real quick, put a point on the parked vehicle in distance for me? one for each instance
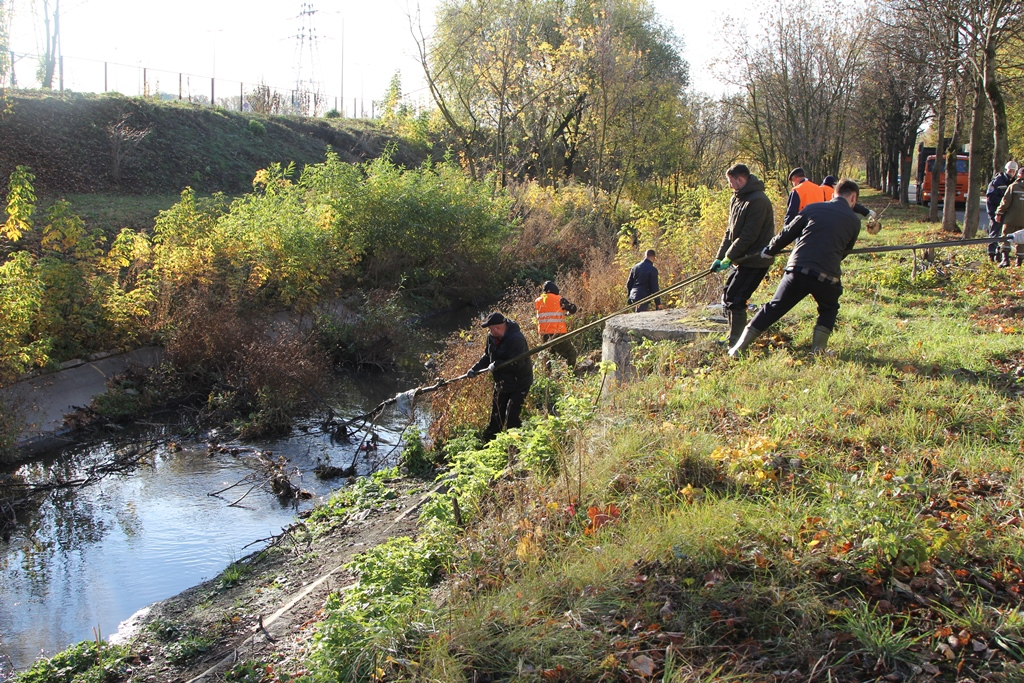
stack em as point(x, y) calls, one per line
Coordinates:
point(924, 195)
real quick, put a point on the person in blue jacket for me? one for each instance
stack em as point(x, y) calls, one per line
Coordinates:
point(994, 195)
point(643, 282)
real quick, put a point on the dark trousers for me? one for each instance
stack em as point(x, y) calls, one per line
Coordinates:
point(505, 409)
point(740, 286)
point(1007, 230)
point(995, 229)
point(565, 349)
point(792, 290)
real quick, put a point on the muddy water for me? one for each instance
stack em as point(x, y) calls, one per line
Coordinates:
point(90, 558)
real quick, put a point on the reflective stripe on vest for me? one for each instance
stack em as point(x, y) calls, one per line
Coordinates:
point(809, 193)
point(550, 316)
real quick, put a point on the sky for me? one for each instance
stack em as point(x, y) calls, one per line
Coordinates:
point(351, 48)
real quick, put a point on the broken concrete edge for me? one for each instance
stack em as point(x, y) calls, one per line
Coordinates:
point(667, 324)
point(43, 399)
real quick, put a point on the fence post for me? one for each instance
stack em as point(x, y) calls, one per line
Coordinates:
point(61, 62)
point(145, 83)
point(179, 86)
point(104, 77)
point(355, 112)
point(241, 97)
point(213, 102)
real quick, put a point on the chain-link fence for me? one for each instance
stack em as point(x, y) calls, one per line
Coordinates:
point(94, 76)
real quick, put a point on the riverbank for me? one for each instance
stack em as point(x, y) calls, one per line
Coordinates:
point(264, 608)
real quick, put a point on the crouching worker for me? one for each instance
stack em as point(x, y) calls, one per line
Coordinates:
point(551, 310)
point(505, 341)
point(824, 232)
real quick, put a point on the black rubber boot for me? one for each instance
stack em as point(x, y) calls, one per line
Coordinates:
point(737, 321)
point(1004, 259)
point(1020, 260)
point(745, 340)
point(820, 340)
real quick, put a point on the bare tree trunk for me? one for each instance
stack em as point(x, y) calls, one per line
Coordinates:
point(972, 214)
point(949, 199)
point(1000, 128)
point(940, 128)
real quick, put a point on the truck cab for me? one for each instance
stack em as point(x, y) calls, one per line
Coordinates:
point(924, 194)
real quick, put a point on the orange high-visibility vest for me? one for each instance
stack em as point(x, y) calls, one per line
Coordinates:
point(550, 316)
point(809, 193)
point(829, 192)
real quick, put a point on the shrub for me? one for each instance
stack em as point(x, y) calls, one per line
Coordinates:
point(257, 128)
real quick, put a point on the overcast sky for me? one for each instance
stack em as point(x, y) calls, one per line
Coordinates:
point(260, 41)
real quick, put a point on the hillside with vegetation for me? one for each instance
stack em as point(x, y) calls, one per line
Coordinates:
point(89, 144)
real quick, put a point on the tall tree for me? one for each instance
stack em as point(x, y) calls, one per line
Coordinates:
point(532, 87)
point(798, 77)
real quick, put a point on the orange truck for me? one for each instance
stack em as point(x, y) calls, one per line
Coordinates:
point(924, 185)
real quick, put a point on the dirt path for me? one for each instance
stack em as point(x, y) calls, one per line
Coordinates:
point(269, 614)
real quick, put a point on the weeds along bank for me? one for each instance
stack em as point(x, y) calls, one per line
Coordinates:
point(841, 518)
point(331, 245)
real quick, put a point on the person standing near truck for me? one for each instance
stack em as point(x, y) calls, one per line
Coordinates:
point(1011, 214)
point(993, 196)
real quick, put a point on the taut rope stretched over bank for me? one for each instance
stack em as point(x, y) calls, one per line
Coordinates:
point(689, 280)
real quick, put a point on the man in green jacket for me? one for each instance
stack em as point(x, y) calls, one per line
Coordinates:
point(751, 227)
point(1011, 214)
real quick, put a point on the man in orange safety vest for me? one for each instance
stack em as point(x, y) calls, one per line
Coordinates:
point(551, 311)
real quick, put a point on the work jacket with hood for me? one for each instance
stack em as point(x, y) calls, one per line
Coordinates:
point(515, 377)
point(751, 226)
point(1011, 208)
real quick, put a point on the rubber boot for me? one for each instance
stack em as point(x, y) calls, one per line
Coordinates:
point(737, 321)
point(1020, 260)
point(1004, 258)
point(820, 340)
point(745, 340)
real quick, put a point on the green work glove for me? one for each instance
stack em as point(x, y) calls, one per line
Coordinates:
point(716, 265)
point(726, 263)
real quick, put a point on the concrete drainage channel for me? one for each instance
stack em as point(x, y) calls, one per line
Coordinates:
point(42, 401)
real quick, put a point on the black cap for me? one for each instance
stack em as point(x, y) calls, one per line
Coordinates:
point(494, 319)
point(829, 180)
point(798, 172)
point(551, 287)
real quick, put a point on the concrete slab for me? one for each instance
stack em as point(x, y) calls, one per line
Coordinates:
point(621, 332)
point(41, 402)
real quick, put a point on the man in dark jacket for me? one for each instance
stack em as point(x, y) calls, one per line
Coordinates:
point(643, 281)
point(751, 226)
point(824, 233)
point(994, 195)
point(505, 341)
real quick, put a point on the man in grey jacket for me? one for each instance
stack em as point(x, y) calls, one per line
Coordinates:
point(824, 233)
point(751, 226)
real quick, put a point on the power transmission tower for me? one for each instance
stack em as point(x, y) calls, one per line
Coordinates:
point(308, 97)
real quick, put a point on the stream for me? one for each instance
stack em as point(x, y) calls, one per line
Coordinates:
point(90, 558)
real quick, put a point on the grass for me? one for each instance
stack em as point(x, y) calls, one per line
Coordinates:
point(782, 515)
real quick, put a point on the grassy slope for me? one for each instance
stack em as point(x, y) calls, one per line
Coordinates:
point(64, 139)
point(782, 516)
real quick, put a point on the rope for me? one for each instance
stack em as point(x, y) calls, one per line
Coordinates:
point(419, 391)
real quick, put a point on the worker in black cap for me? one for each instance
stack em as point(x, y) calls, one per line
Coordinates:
point(505, 341)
